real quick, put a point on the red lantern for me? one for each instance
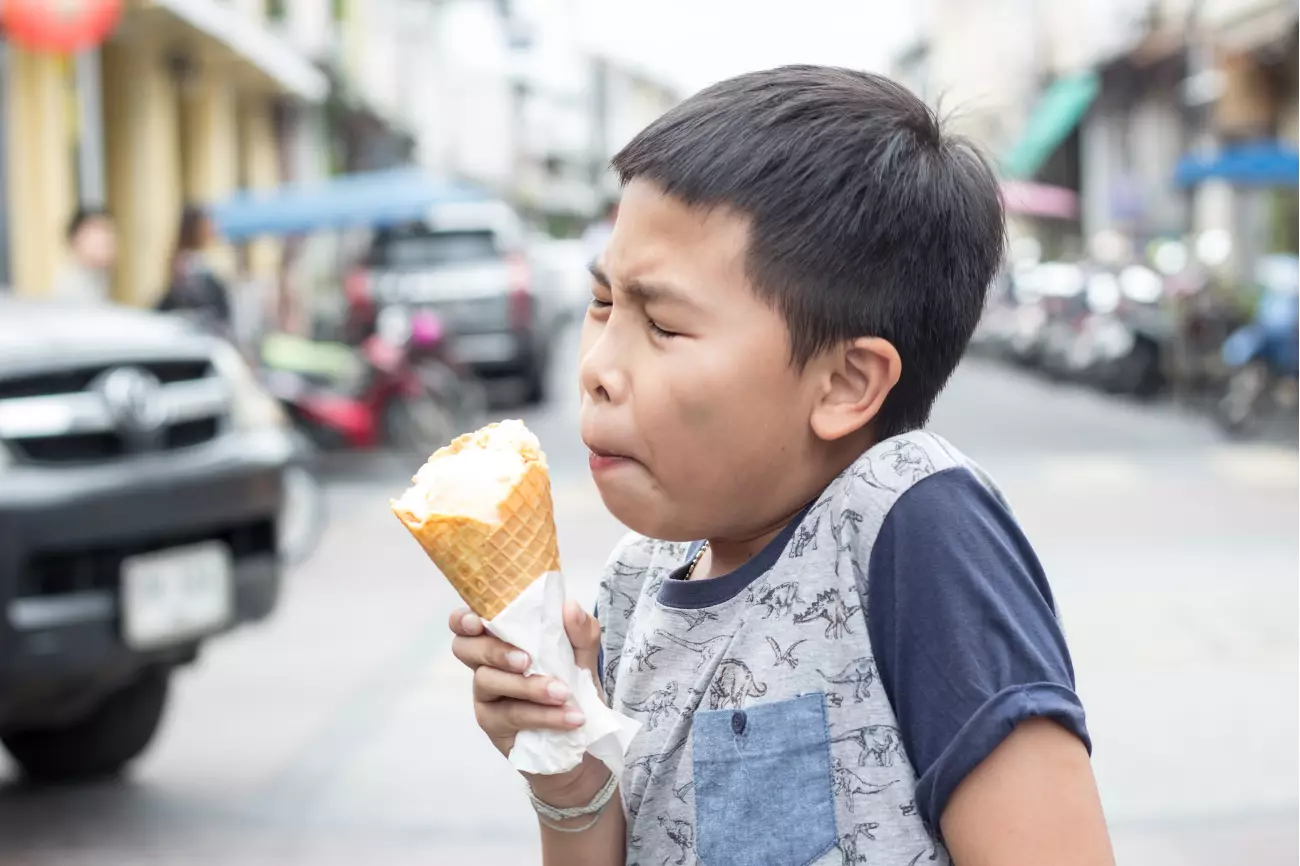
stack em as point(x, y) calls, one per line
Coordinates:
point(59, 25)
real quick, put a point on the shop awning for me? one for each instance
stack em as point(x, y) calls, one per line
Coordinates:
point(370, 200)
point(1053, 119)
point(257, 46)
point(1023, 198)
point(1258, 164)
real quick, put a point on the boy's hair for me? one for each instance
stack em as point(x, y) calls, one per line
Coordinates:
point(865, 218)
point(83, 215)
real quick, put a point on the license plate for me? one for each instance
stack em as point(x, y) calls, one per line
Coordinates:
point(175, 595)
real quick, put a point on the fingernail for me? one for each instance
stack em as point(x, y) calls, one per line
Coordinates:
point(469, 622)
point(558, 690)
point(575, 718)
point(517, 660)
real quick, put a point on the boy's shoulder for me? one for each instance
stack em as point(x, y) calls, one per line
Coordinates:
point(879, 478)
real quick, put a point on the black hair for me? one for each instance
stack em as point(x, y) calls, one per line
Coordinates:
point(83, 215)
point(866, 218)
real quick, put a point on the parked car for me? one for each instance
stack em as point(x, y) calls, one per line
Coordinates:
point(470, 263)
point(563, 265)
point(142, 488)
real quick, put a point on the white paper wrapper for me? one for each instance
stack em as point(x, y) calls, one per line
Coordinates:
point(534, 622)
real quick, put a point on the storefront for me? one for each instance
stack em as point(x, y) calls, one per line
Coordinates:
point(52, 156)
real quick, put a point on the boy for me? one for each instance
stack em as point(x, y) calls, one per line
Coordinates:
point(840, 645)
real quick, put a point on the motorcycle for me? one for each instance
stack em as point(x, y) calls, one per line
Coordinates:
point(1122, 340)
point(431, 350)
point(374, 395)
point(1262, 358)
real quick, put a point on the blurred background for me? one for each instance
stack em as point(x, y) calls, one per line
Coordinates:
point(258, 258)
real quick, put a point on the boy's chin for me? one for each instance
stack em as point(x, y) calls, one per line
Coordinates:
point(644, 514)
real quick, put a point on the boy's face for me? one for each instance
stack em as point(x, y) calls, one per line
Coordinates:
point(697, 420)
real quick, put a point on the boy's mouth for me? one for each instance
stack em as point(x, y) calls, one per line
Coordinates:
point(601, 460)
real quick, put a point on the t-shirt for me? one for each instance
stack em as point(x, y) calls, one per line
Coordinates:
point(820, 704)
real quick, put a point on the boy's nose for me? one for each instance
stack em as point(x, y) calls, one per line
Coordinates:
point(600, 378)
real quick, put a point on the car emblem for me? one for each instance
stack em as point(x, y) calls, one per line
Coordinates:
point(134, 401)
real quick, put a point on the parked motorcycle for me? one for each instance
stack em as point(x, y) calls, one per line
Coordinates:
point(1123, 340)
point(430, 348)
point(1262, 357)
point(375, 395)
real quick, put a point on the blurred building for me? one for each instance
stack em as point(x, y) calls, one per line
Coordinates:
point(626, 99)
point(190, 101)
point(1121, 117)
point(511, 99)
point(176, 105)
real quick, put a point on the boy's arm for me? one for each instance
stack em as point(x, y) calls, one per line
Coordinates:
point(1032, 801)
point(604, 844)
point(974, 662)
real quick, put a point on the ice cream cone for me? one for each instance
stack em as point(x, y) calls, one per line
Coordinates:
point(495, 535)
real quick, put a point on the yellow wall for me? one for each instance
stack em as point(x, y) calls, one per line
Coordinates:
point(40, 167)
point(142, 127)
point(261, 171)
point(210, 138)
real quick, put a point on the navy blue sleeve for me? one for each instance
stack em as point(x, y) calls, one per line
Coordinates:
point(964, 632)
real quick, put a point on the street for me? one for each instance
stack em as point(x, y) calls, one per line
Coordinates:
point(342, 732)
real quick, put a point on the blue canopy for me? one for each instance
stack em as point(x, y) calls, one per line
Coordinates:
point(370, 200)
point(1260, 164)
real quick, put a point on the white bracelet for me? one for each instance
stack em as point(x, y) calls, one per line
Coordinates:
point(596, 806)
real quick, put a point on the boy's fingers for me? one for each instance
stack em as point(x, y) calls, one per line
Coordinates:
point(507, 717)
point(491, 684)
point(583, 629)
point(584, 634)
point(474, 652)
point(464, 621)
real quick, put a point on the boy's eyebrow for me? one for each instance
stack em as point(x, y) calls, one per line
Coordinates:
point(646, 293)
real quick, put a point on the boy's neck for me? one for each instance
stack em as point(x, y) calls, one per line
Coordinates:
point(724, 555)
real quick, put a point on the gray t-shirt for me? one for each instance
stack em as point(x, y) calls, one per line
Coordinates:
point(783, 723)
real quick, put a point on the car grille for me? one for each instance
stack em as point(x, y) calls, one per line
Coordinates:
point(79, 379)
point(65, 572)
point(195, 399)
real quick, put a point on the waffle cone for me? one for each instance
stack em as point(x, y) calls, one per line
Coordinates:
point(491, 564)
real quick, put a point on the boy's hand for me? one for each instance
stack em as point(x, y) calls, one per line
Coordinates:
point(507, 702)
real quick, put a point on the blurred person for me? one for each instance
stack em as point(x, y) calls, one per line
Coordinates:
point(194, 287)
point(598, 233)
point(832, 628)
point(92, 247)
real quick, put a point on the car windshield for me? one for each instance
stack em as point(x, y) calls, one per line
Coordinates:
point(422, 248)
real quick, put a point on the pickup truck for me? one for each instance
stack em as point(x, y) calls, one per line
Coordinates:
point(142, 480)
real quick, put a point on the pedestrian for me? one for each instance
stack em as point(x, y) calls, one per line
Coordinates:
point(194, 288)
point(839, 643)
point(92, 249)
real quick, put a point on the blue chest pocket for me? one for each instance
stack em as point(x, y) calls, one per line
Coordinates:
point(763, 784)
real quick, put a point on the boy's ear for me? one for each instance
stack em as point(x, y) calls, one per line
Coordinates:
point(854, 382)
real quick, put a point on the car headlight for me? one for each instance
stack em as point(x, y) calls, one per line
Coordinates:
point(251, 407)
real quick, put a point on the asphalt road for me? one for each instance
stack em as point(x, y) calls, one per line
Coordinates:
point(341, 732)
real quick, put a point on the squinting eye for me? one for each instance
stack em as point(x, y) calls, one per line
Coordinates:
point(598, 304)
point(660, 332)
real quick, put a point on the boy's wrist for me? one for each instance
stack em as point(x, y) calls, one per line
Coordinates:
point(572, 789)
